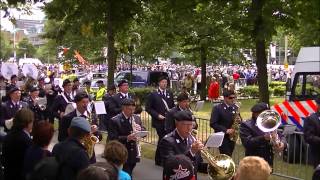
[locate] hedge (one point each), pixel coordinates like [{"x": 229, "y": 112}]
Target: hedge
[
  {"x": 253, "y": 91},
  {"x": 274, "y": 84},
  {"x": 141, "y": 93}
]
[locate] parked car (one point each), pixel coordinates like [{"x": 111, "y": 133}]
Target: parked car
[{"x": 141, "y": 78}]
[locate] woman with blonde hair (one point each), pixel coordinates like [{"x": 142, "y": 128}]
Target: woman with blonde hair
[{"x": 253, "y": 168}]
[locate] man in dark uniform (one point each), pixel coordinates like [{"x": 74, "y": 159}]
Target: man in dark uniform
[
  {"x": 257, "y": 142},
  {"x": 180, "y": 141},
  {"x": 82, "y": 102},
  {"x": 122, "y": 128},
  {"x": 11, "y": 106},
  {"x": 311, "y": 132},
  {"x": 61, "y": 101},
  {"x": 107, "y": 99},
  {"x": 32, "y": 101},
  {"x": 114, "y": 107},
  {"x": 158, "y": 105},
  {"x": 13, "y": 83},
  {"x": 222, "y": 118},
  {"x": 72, "y": 154},
  {"x": 183, "y": 105}
]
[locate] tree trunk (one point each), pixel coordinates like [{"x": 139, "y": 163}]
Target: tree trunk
[
  {"x": 111, "y": 56},
  {"x": 203, "y": 60},
  {"x": 260, "y": 38},
  {"x": 262, "y": 71}
]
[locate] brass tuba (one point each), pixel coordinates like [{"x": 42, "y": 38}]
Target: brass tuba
[
  {"x": 220, "y": 167},
  {"x": 269, "y": 121}
]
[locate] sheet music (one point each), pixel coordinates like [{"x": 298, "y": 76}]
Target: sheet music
[
  {"x": 100, "y": 107},
  {"x": 215, "y": 139}
]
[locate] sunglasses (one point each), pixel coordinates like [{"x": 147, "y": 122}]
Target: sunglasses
[{"x": 232, "y": 97}]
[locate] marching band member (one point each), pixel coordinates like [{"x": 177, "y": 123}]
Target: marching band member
[
  {"x": 180, "y": 141},
  {"x": 10, "y": 107},
  {"x": 222, "y": 118},
  {"x": 32, "y": 101},
  {"x": 75, "y": 87},
  {"x": 158, "y": 105},
  {"x": 122, "y": 128},
  {"x": 114, "y": 107},
  {"x": 312, "y": 134},
  {"x": 256, "y": 142},
  {"x": 61, "y": 101},
  {"x": 72, "y": 152},
  {"x": 107, "y": 99},
  {"x": 183, "y": 105}
]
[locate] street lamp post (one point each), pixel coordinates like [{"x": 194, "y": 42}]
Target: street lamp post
[{"x": 131, "y": 62}]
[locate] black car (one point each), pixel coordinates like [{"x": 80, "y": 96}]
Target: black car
[{"x": 141, "y": 78}]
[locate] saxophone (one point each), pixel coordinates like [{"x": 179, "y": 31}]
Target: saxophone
[
  {"x": 89, "y": 141},
  {"x": 134, "y": 124},
  {"x": 236, "y": 123}
]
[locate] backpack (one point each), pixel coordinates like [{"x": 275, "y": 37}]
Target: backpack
[{"x": 45, "y": 169}]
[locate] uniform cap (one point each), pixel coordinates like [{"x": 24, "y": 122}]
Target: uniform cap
[
  {"x": 13, "y": 89},
  {"x": 123, "y": 81},
  {"x": 259, "y": 107},
  {"x": 81, "y": 123},
  {"x": 183, "y": 116}
]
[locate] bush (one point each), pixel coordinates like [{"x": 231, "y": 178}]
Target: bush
[
  {"x": 279, "y": 91},
  {"x": 141, "y": 93},
  {"x": 252, "y": 91},
  {"x": 275, "y": 84}
]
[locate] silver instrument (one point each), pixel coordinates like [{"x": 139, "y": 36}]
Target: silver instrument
[
  {"x": 269, "y": 121},
  {"x": 134, "y": 124}
]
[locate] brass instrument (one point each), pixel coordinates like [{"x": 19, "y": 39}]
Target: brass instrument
[
  {"x": 221, "y": 167},
  {"x": 88, "y": 142},
  {"x": 236, "y": 123},
  {"x": 269, "y": 121},
  {"x": 134, "y": 124},
  {"x": 42, "y": 102}
]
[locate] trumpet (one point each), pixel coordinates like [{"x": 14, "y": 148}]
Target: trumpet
[{"x": 220, "y": 167}]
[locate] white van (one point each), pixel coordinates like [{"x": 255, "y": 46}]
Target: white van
[{"x": 305, "y": 79}]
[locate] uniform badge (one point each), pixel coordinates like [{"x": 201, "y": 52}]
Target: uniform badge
[
  {"x": 11, "y": 106},
  {"x": 225, "y": 108},
  {"x": 178, "y": 141},
  {"x": 233, "y": 112}
]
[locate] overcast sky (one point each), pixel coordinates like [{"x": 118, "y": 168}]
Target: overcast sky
[{"x": 37, "y": 15}]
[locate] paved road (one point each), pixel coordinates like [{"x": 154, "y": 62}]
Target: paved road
[{"x": 145, "y": 170}]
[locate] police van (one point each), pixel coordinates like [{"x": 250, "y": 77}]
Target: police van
[{"x": 303, "y": 87}]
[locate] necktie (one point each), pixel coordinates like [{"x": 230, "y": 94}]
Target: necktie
[{"x": 83, "y": 116}]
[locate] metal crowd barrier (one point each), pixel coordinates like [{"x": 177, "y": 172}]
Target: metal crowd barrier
[{"x": 292, "y": 164}]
